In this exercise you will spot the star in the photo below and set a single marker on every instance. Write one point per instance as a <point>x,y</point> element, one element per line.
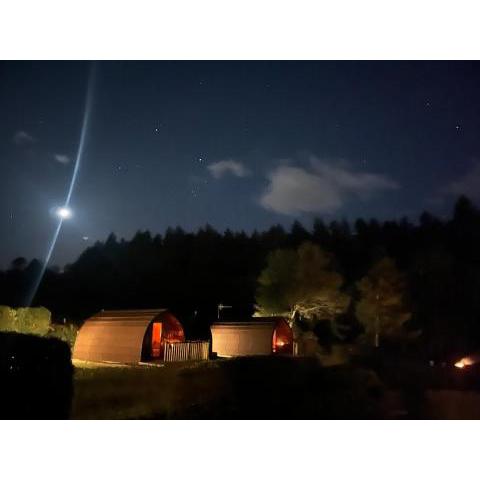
<point>457,127</point>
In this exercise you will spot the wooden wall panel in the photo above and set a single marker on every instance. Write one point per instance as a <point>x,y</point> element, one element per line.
<point>242,339</point>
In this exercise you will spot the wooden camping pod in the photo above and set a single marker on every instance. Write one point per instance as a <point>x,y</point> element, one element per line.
<point>127,336</point>
<point>261,336</point>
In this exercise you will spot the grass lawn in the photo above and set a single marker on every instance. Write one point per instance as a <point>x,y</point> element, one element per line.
<point>112,391</point>
<point>255,387</point>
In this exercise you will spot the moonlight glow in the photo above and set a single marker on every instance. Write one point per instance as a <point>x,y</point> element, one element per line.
<point>64,213</point>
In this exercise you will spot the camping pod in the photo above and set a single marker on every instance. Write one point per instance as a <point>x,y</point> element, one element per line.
<point>127,336</point>
<point>261,336</point>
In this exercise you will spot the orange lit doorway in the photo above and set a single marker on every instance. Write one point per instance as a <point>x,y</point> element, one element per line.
<point>156,340</point>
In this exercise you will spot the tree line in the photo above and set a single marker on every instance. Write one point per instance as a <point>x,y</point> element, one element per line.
<point>434,263</point>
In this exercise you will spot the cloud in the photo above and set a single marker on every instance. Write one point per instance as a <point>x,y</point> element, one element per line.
<point>228,167</point>
<point>21,137</point>
<point>468,184</point>
<point>324,188</point>
<point>64,159</point>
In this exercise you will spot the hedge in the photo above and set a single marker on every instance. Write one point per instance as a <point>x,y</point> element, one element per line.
<point>36,377</point>
<point>34,320</point>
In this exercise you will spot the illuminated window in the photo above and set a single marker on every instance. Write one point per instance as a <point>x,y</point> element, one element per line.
<point>156,339</point>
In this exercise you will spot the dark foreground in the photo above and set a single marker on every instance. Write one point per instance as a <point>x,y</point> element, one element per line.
<point>245,388</point>
<point>259,388</point>
<point>38,382</point>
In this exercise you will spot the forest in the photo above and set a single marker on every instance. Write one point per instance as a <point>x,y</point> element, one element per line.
<point>437,261</point>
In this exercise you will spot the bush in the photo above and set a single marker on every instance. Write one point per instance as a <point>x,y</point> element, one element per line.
<point>271,388</point>
<point>8,317</point>
<point>36,377</point>
<point>33,320</point>
<point>28,320</point>
<point>67,333</point>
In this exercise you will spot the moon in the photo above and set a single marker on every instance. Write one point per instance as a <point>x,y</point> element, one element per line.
<point>64,213</point>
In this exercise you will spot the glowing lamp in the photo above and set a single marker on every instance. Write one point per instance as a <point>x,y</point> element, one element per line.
<point>464,362</point>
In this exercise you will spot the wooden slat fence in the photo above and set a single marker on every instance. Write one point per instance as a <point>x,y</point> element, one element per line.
<point>184,351</point>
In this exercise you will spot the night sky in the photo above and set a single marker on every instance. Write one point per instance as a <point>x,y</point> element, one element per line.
<point>240,145</point>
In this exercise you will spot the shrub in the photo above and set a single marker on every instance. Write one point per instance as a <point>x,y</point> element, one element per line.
<point>270,388</point>
<point>36,377</point>
<point>36,321</point>
<point>7,319</point>
<point>67,333</point>
<point>33,320</point>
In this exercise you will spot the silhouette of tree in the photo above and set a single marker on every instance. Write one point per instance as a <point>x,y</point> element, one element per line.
<point>19,263</point>
<point>382,309</point>
<point>275,284</point>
